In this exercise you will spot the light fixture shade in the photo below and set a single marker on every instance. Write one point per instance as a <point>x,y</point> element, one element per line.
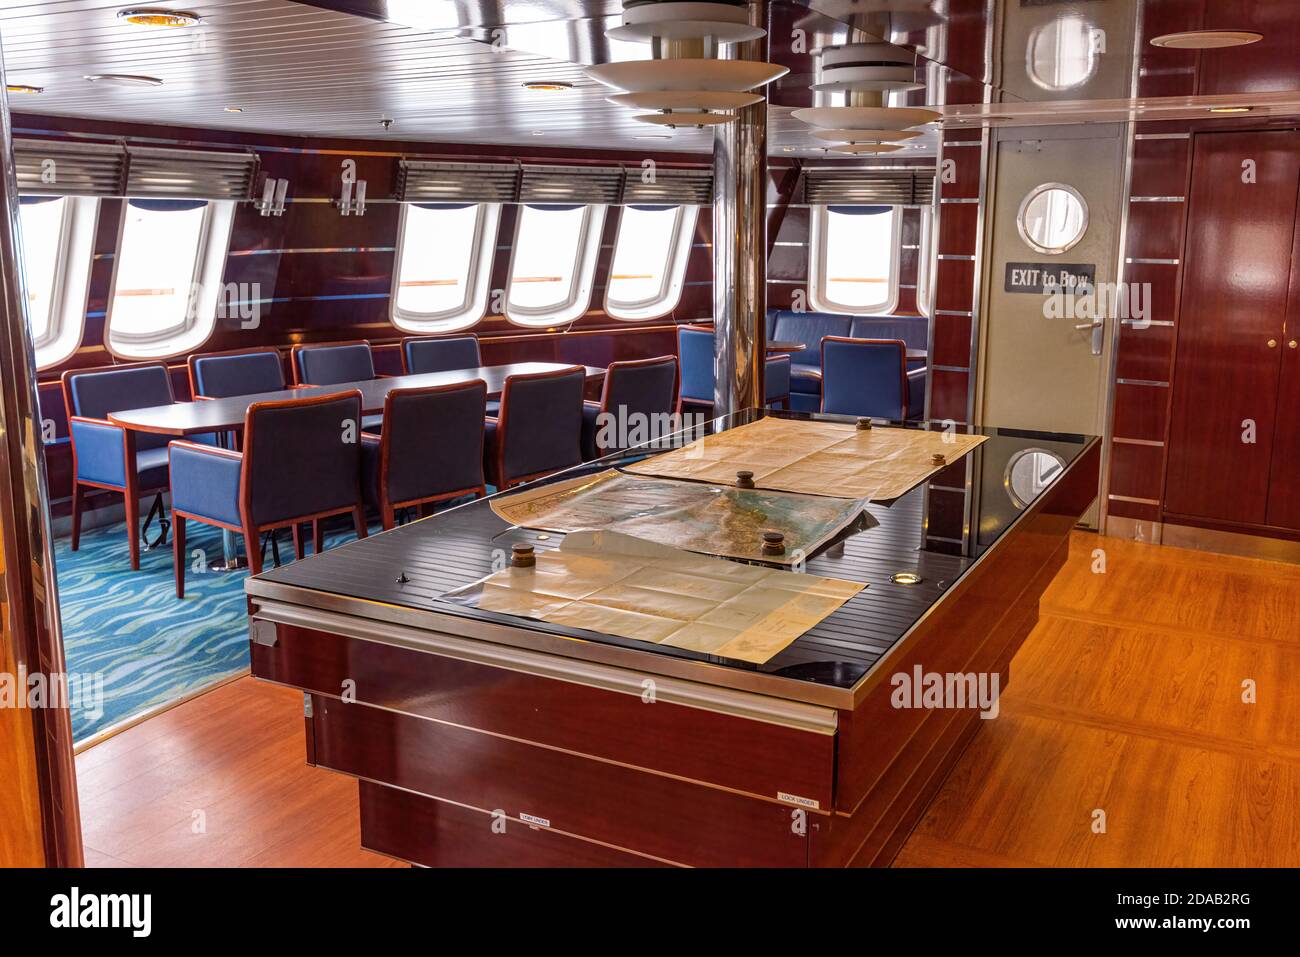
<point>123,79</point>
<point>865,117</point>
<point>644,76</point>
<point>865,54</point>
<point>159,17</point>
<point>865,148</point>
<point>671,20</point>
<point>685,100</point>
<point>686,118</point>
<point>1206,39</point>
<point>864,136</point>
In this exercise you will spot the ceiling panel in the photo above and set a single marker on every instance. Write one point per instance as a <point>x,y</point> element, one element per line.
<point>298,69</point>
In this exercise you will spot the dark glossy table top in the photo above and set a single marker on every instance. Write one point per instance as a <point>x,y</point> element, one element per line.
<point>218,415</point>
<point>458,546</point>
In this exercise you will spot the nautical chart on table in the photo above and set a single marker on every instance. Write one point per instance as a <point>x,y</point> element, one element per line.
<point>817,458</point>
<point>618,585</point>
<point>711,519</point>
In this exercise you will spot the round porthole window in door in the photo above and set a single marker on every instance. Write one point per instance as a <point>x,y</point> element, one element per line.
<point>1053,217</point>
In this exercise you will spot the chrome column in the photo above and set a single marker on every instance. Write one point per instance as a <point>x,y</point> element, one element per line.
<point>39,799</point>
<point>740,245</point>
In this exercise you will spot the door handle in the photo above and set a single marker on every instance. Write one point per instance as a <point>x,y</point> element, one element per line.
<point>1272,343</point>
<point>1098,327</point>
<point>1292,344</point>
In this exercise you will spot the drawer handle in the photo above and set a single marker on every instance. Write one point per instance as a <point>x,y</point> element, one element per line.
<point>263,633</point>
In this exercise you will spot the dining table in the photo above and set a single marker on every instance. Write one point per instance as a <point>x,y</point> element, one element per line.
<point>224,415</point>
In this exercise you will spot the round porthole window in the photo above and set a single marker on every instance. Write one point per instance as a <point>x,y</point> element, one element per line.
<point>1029,472</point>
<point>1052,218</point>
<point>1063,54</point>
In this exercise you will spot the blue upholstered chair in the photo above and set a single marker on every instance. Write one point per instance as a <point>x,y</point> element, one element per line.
<point>539,430</point>
<point>864,377</point>
<point>639,394</point>
<point>695,351</point>
<point>336,363</point>
<point>443,354</point>
<point>333,363</point>
<point>440,354</point>
<point>300,463</point>
<point>106,456</point>
<point>219,375</point>
<point>431,449</point>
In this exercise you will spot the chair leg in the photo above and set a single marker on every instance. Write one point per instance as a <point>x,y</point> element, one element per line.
<point>359,520</point>
<point>317,537</point>
<point>252,548</point>
<point>299,542</point>
<point>78,499</point>
<point>133,529</point>
<point>178,552</point>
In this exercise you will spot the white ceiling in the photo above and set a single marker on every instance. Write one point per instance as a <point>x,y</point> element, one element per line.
<point>297,69</point>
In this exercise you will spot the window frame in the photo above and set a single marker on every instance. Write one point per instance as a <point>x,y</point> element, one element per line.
<point>70,289</point>
<point>200,320</point>
<point>478,283</point>
<point>925,267</point>
<point>584,272</point>
<point>817,297</point>
<point>670,289</point>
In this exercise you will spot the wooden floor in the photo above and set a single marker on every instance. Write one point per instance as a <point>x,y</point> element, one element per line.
<point>220,781</point>
<point>1126,699</point>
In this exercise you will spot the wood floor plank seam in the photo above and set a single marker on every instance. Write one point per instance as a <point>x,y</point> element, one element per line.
<point>1134,624</point>
<point>1021,705</point>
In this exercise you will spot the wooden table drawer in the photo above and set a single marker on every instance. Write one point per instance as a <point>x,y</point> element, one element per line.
<point>667,818</point>
<point>730,739</point>
<point>437,834</point>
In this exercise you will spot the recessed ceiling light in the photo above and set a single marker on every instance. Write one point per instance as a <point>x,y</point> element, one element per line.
<point>234,109</point>
<point>1206,39</point>
<point>653,136</point>
<point>123,79</point>
<point>24,88</point>
<point>539,132</point>
<point>1231,109</point>
<point>548,86</point>
<point>906,578</point>
<point>159,17</point>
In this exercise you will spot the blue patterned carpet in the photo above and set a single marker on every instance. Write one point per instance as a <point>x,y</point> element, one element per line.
<point>130,628</point>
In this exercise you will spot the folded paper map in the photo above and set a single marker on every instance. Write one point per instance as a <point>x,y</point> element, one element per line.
<point>818,458</point>
<point>618,585</point>
<point>712,519</point>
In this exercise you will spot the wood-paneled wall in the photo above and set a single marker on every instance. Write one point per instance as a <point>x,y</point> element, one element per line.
<point>1154,251</point>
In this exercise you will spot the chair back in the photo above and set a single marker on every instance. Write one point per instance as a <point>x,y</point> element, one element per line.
<point>96,393</point>
<point>866,377</point>
<point>540,426</point>
<point>330,365</point>
<point>440,354</point>
<point>302,457</point>
<point>640,386</point>
<point>695,350</point>
<point>433,441</point>
<point>220,375</point>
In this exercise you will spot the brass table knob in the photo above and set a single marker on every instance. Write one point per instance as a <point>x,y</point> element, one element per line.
<point>864,424</point>
<point>522,555</point>
<point>938,459</point>
<point>773,543</point>
<point>744,479</point>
